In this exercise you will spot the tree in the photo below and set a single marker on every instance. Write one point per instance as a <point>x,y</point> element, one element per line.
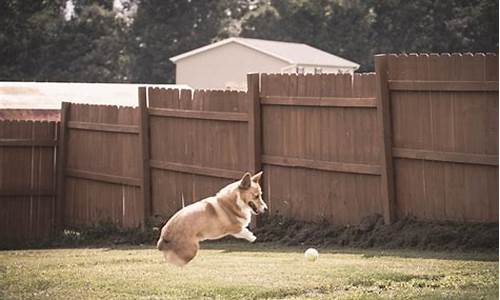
<point>165,28</point>
<point>90,47</point>
<point>357,29</point>
<point>38,43</point>
<point>337,27</point>
<point>432,26</point>
<point>22,36</point>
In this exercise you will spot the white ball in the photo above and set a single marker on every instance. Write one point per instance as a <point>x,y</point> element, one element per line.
<point>311,254</point>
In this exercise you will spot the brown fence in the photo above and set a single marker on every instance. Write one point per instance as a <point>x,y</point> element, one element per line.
<point>101,163</point>
<point>418,137</point>
<point>198,143</point>
<point>27,181</point>
<point>320,146</point>
<point>444,114</point>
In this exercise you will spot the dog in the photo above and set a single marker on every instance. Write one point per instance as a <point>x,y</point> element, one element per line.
<point>227,213</point>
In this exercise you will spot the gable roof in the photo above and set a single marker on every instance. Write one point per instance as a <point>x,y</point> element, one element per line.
<point>292,53</point>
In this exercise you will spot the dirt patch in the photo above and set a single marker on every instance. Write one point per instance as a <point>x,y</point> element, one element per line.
<point>372,232</point>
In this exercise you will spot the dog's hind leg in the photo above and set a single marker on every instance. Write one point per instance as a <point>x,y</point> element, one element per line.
<point>162,244</point>
<point>189,251</point>
<point>182,253</point>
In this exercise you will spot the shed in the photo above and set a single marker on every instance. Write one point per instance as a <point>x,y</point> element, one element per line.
<point>224,64</point>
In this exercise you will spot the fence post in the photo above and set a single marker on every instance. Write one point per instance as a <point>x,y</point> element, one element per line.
<point>385,127</point>
<point>61,166</point>
<point>254,134</point>
<point>144,140</point>
<point>254,126</point>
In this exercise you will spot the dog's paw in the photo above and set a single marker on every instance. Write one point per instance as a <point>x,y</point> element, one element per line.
<point>252,239</point>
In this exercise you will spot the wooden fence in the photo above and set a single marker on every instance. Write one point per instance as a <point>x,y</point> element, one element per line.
<point>320,146</point>
<point>27,181</point>
<point>198,143</point>
<point>418,137</point>
<point>101,167</point>
<point>444,115</point>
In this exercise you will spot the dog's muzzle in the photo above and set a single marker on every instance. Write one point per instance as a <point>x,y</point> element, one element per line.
<point>253,207</point>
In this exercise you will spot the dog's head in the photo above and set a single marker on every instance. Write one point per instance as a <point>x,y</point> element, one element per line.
<point>250,193</point>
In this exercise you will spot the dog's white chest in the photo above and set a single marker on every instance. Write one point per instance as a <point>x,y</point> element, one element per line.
<point>246,212</point>
<point>247,219</point>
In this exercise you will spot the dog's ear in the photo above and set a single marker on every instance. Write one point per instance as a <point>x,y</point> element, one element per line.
<point>256,177</point>
<point>245,181</point>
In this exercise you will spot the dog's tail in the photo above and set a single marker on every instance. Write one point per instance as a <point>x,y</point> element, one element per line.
<point>162,244</point>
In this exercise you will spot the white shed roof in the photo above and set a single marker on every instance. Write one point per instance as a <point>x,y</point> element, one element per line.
<point>293,53</point>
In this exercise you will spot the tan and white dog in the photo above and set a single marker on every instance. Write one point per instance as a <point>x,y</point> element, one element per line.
<point>227,213</point>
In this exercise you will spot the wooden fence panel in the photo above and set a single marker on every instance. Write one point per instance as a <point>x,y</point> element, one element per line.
<point>445,135</point>
<point>324,149</point>
<point>27,181</point>
<point>199,143</point>
<point>320,153</point>
<point>103,166</point>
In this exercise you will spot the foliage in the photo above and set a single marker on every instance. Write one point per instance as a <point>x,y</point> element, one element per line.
<point>106,233</point>
<point>359,29</point>
<point>100,43</point>
<point>38,43</point>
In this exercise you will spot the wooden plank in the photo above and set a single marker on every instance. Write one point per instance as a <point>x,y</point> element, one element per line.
<point>491,67</point>
<point>384,127</point>
<point>254,130</point>
<point>466,158</point>
<point>145,153</point>
<point>103,127</point>
<point>28,193</point>
<point>368,102</point>
<point>321,165</point>
<point>193,169</point>
<point>101,177</point>
<point>27,143</point>
<point>443,86</point>
<point>200,115</point>
<point>61,165</point>
<point>254,123</point>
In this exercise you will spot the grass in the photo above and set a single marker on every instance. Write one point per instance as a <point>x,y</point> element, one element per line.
<point>237,270</point>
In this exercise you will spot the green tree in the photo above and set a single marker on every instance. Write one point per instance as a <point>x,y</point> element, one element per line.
<point>338,27</point>
<point>165,28</point>
<point>22,36</point>
<point>434,26</point>
<point>357,29</point>
<point>90,47</point>
<point>38,43</point>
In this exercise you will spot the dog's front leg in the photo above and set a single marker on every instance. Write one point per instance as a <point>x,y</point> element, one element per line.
<point>245,234</point>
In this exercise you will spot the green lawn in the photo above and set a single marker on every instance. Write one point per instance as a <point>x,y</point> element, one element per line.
<point>246,271</point>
